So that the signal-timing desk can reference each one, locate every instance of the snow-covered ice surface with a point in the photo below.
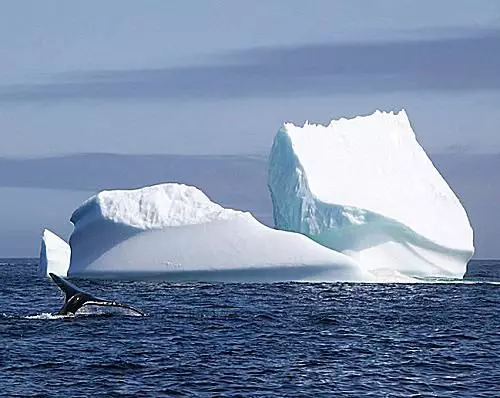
(175, 232)
(54, 254)
(365, 187)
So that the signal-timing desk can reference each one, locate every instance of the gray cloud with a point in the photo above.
(444, 64)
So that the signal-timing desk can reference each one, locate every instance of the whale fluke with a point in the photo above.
(76, 298)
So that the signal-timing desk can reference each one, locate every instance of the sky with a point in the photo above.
(220, 77)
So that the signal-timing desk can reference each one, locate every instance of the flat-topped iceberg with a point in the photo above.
(175, 232)
(365, 187)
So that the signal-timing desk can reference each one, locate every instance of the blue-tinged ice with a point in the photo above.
(175, 232)
(366, 188)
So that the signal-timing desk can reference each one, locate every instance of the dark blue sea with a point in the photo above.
(265, 340)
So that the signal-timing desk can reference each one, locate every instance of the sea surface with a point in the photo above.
(264, 340)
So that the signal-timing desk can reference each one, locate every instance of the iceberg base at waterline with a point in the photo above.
(174, 232)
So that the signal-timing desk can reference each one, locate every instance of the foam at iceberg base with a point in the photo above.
(54, 254)
(174, 232)
(365, 187)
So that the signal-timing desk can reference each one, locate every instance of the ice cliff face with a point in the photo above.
(365, 187)
(174, 232)
(54, 254)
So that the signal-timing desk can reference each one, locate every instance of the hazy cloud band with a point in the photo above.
(445, 64)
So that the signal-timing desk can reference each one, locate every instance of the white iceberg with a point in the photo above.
(174, 232)
(366, 188)
(54, 254)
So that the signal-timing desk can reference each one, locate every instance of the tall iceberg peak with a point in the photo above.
(365, 187)
(175, 232)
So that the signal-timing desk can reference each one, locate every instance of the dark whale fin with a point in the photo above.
(68, 288)
(76, 298)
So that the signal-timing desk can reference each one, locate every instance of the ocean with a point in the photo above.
(251, 340)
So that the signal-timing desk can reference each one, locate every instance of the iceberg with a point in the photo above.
(366, 188)
(54, 254)
(175, 232)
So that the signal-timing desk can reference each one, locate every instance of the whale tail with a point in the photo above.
(68, 288)
(76, 298)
